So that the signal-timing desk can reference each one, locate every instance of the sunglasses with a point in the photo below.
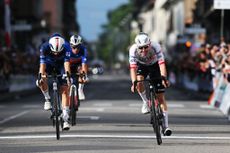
(75, 47)
(143, 47)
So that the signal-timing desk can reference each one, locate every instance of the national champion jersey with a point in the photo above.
(80, 57)
(154, 55)
(47, 57)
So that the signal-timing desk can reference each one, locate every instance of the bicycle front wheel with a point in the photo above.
(155, 120)
(56, 114)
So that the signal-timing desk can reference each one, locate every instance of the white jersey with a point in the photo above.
(154, 55)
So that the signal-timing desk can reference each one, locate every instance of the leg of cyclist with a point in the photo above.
(83, 69)
(45, 91)
(139, 72)
(142, 92)
(43, 85)
(81, 91)
(65, 106)
(161, 99)
(64, 88)
(160, 90)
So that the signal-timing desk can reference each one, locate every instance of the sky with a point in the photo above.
(92, 14)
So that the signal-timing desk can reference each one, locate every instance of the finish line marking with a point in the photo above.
(111, 136)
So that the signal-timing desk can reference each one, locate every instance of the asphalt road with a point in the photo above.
(110, 121)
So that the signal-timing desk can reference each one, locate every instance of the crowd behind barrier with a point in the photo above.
(18, 68)
(208, 70)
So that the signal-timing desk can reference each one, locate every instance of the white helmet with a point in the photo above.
(142, 39)
(75, 40)
(56, 44)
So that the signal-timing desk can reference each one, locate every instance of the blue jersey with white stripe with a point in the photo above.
(47, 57)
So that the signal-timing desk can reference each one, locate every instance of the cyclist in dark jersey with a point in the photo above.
(55, 54)
(78, 62)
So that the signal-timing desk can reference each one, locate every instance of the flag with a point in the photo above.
(7, 23)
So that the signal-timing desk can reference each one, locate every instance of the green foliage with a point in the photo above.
(115, 17)
(116, 34)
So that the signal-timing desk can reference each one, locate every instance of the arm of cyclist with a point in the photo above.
(84, 72)
(163, 71)
(84, 69)
(161, 62)
(132, 67)
(67, 71)
(133, 75)
(42, 72)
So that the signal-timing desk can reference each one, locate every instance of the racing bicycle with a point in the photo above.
(156, 114)
(56, 110)
(74, 97)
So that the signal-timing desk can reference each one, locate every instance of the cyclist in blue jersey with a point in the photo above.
(78, 62)
(55, 54)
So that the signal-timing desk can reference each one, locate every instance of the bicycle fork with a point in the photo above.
(159, 113)
(57, 100)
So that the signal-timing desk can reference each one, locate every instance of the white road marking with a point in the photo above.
(169, 105)
(112, 136)
(90, 117)
(103, 104)
(136, 105)
(13, 117)
(206, 106)
(92, 109)
(32, 106)
(175, 105)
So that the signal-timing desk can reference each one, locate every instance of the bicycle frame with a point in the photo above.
(55, 109)
(56, 106)
(73, 90)
(74, 98)
(156, 115)
(74, 103)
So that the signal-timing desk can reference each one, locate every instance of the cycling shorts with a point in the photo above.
(59, 69)
(75, 69)
(153, 71)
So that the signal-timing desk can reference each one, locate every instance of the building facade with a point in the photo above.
(32, 21)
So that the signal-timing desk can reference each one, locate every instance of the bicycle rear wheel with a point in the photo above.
(155, 120)
(56, 114)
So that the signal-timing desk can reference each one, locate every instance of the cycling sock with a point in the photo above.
(165, 114)
(143, 96)
(81, 86)
(65, 114)
(46, 94)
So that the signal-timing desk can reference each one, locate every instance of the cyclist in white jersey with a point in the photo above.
(147, 59)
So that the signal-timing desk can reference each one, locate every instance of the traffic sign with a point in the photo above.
(222, 4)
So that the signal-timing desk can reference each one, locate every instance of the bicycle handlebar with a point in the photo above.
(79, 74)
(152, 80)
(51, 76)
(145, 80)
